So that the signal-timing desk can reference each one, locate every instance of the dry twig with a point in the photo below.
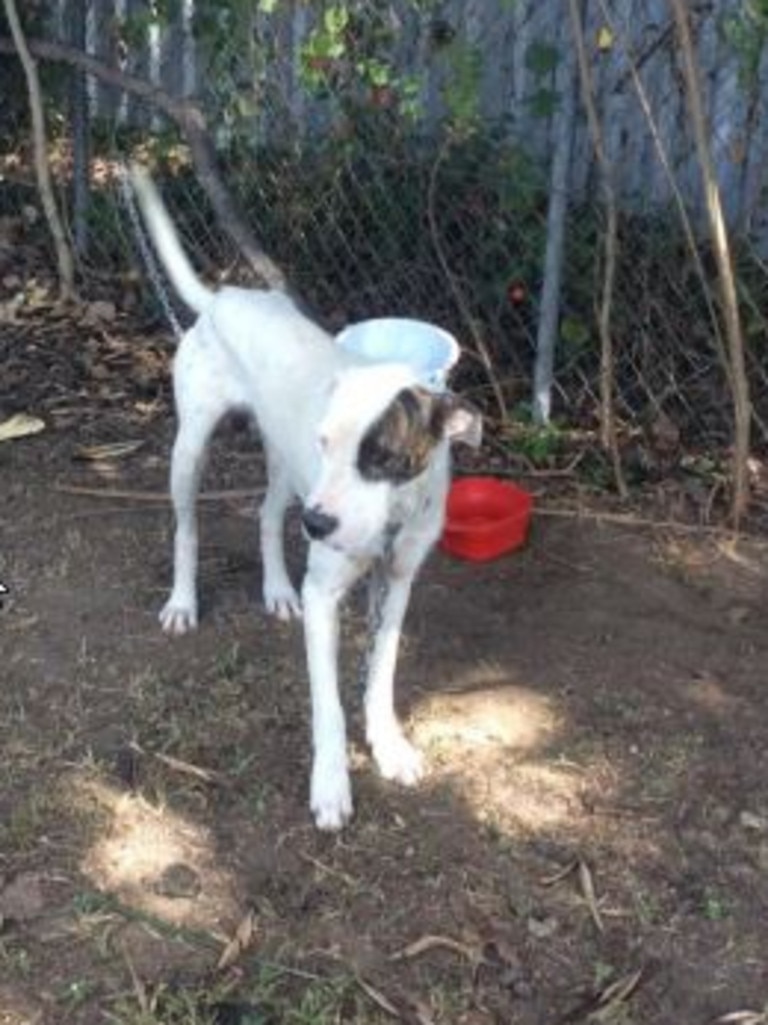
(161, 497)
(739, 380)
(42, 170)
(608, 435)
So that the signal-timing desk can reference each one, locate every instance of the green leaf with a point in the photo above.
(541, 58)
(543, 102)
(336, 20)
(574, 333)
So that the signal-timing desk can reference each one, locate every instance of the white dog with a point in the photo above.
(363, 446)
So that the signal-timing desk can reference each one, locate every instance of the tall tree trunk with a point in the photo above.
(728, 296)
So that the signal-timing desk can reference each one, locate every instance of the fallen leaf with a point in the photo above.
(750, 821)
(742, 1018)
(588, 892)
(240, 942)
(179, 765)
(542, 928)
(616, 993)
(561, 874)
(100, 453)
(601, 1006)
(139, 989)
(426, 943)
(98, 312)
(19, 426)
(377, 997)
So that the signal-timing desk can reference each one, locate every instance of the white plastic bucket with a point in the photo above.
(430, 350)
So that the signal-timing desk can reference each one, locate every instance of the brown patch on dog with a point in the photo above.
(397, 446)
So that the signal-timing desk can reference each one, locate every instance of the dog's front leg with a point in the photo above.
(395, 756)
(329, 575)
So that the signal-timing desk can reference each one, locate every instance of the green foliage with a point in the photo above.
(461, 89)
(541, 59)
(747, 32)
(575, 333)
(538, 444)
(348, 57)
(542, 102)
(135, 26)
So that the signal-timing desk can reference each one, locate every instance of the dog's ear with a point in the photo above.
(461, 421)
(398, 444)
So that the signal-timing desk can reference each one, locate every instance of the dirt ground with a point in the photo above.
(590, 844)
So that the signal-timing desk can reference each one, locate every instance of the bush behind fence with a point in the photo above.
(395, 159)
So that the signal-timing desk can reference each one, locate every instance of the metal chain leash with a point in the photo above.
(147, 253)
(379, 589)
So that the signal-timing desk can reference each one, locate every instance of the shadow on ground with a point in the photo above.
(591, 843)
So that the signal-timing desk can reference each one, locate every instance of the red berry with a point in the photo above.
(516, 293)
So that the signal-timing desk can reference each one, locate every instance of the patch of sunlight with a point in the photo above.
(527, 796)
(16, 1009)
(152, 859)
(485, 707)
(490, 725)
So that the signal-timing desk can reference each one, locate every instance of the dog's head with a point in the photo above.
(381, 436)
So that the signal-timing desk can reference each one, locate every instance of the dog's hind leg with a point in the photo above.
(179, 614)
(280, 596)
(396, 757)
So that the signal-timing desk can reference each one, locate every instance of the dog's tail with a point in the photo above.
(163, 233)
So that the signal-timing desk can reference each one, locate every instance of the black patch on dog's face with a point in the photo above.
(397, 446)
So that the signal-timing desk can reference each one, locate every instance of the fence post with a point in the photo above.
(549, 306)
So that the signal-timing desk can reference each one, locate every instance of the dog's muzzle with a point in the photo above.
(318, 524)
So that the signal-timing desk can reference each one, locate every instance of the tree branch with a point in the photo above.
(42, 170)
(190, 119)
(608, 436)
(730, 305)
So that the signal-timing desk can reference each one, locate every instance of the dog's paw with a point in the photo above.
(331, 797)
(177, 619)
(398, 759)
(282, 601)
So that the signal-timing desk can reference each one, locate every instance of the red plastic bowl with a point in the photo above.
(485, 517)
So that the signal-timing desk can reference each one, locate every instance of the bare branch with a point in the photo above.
(190, 119)
(607, 361)
(729, 300)
(42, 170)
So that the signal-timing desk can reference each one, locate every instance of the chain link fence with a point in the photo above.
(396, 159)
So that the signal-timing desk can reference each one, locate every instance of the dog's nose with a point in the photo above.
(318, 524)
